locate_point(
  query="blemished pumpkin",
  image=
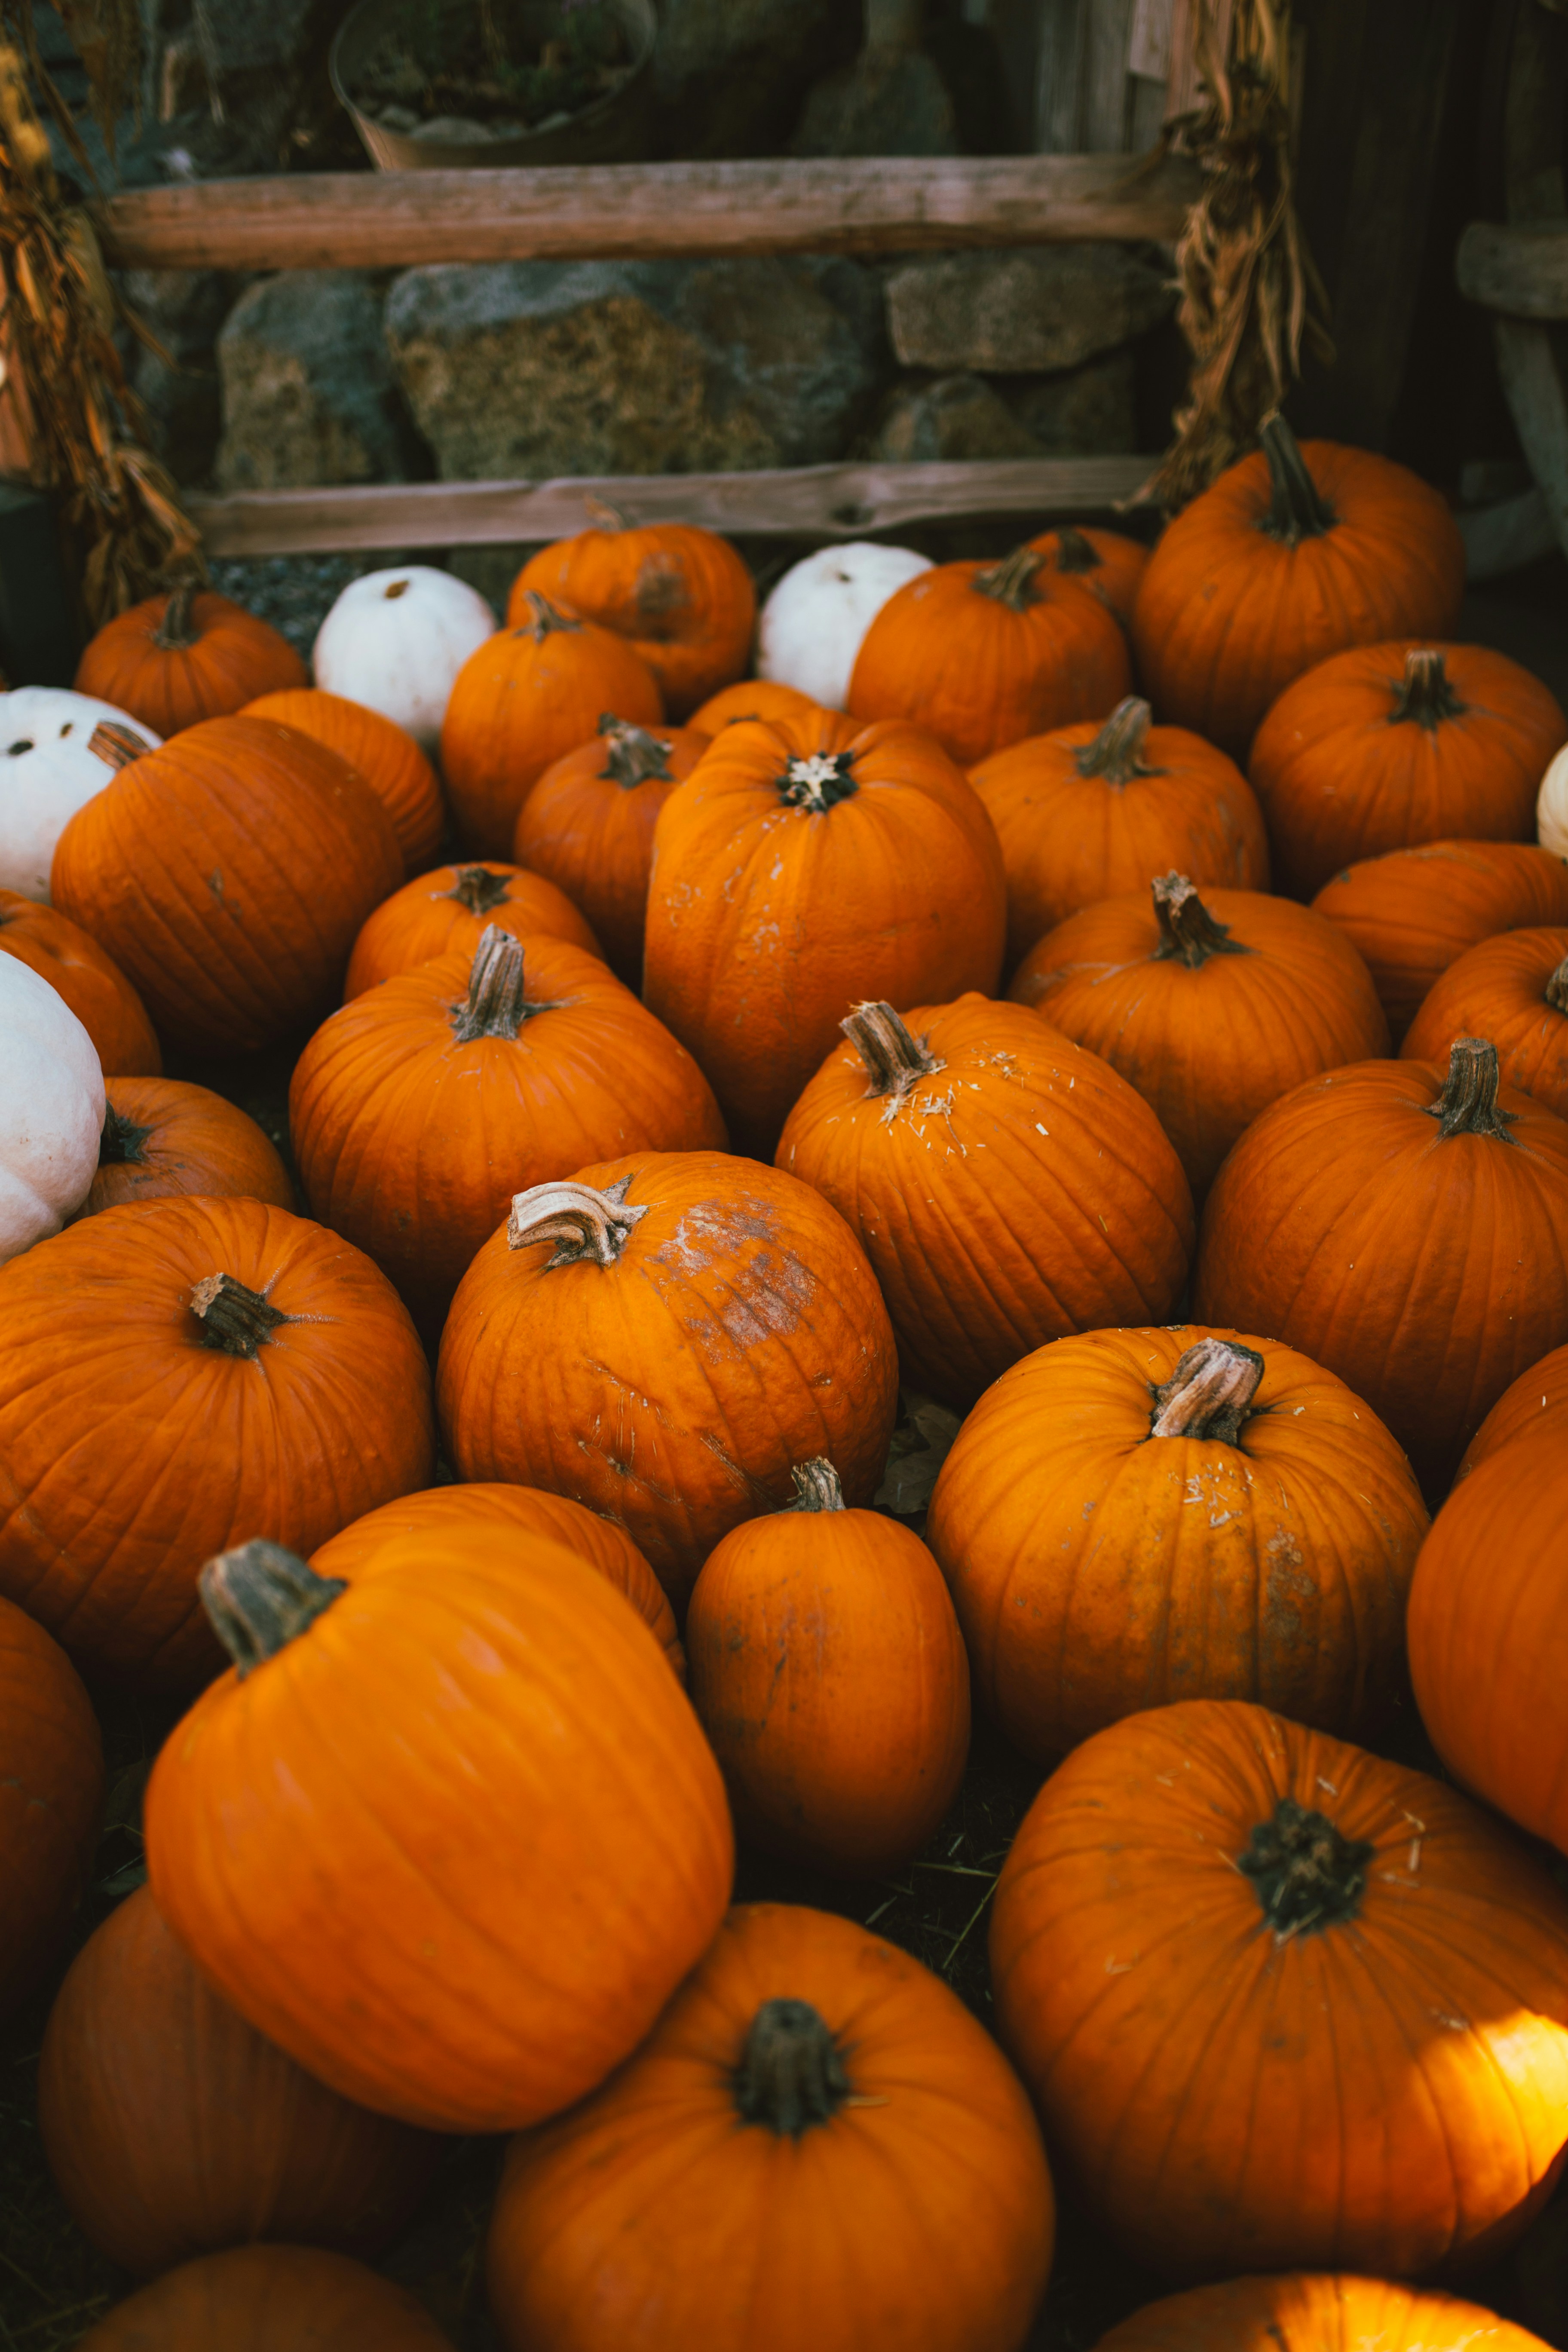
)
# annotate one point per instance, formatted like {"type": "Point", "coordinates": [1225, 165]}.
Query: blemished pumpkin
{"type": "Point", "coordinates": [1212, 1006]}
{"type": "Point", "coordinates": [395, 641]}
{"type": "Point", "coordinates": [806, 864]}
{"type": "Point", "coordinates": [56, 750]}
{"type": "Point", "coordinates": [527, 697]}
{"type": "Point", "coordinates": [227, 874]}
{"type": "Point", "coordinates": [421, 1107]}
{"type": "Point", "coordinates": [174, 2129]}
{"type": "Point", "coordinates": [1006, 1185]}
{"type": "Point", "coordinates": [176, 1374]}
{"type": "Point", "coordinates": [1406, 1225]}
{"type": "Point", "coordinates": [450, 909]}
{"type": "Point", "coordinates": [1092, 811]}
{"type": "Point", "coordinates": [163, 1136]}
{"type": "Point", "coordinates": [1130, 1518]}
{"type": "Point", "coordinates": [679, 593]}
{"type": "Point", "coordinates": [174, 659]}
{"type": "Point", "coordinates": [983, 655]}
{"type": "Point", "coordinates": [87, 980]}
{"type": "Point", "coordinates": [1298, 551]}
{"type": "Point", "coordinates": [1107, 562]}
{"type": "Point", "coordinates": [1536, 1405]}
{"type": "Point", "coordinates": [816, 619]}
{"type": "Point", "coordinates": [827, 1669]}
{"type": "Point", "coordinates": [51, 1795]}
{"type": "Point", "coordinates": [51, 1110]}
{"type": "Point", "coordinates": [1321, 2311]}
{"type": "Point", "coordinates": [1512, 987]}
{"type": "Point", "coordinates": [751, 698]}
{"type": "Point", "coordinates": [268, 2299]}
{"type": "Point", "coordinates": [861, 2160]}
{"type": "Point", "coordinates": [1384, 747]}
{"type": "Point", "coordinates": [385, 755]}
{"type": "Point", "coordinates": [1281, 2002]}
{"type": "Point", "coordinates": [663, 1339]}
{"type": "Point", "coordinates": [553, 1851]}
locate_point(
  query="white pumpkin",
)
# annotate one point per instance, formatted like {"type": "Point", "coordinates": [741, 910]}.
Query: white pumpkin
{"type": "Point", "coordinates": [812, 625]}
{"type": "Point", "coordinates": [396, 642]}
{"type": "Point", "coordinates": [51, 1109]}
{"type": "Point", "coordinates": [1552, 807]}
{"type": "Point", "coordinates": [48, 768]}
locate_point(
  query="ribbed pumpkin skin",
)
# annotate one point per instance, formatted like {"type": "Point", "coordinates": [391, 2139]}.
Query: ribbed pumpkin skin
{"type": "Point", "coordinates": [90, 981]}
{"type": "Point", "coordinates": [552, 1853]}
{"type": "Point", "coordinates": [1315, 2312]}
{"type": "Point", "coordinates": [1107, 562]}
{"type": "Point", "coordinates": [681, 594]}
{"type": "Point", "coordinates": [227, 874]}
{"type": "Point", "coordinates": [1208, 1049]}
{"type": "Point", "coordinates": [385, 755]}
{"type": "Point", "coordinates": [1535, 1405]}
{"type": "Point", "coordinates": [748, 698]}
{"type": "Point", "coordinates": [1386, 2093]}
{"type": "Point", "coordinates": [51, 1792]}
{"type": "Point", "coordinates": [1498, 989]}
{"type": "Point", "coordinates": [429, 918]}
{"type": "Point", "coordinates": [188, 1140]}
{"type": "Point", "coordinates": [766, 920]}
{"type": "Point", "coordinates": [1023, 1191]}
{"type": "Point", "coordinates": [129, 1452]}
{"type": "Point", "coordinates": [740, 1331]}
{"type": "Point", "coordinates": [1341, 776]}
{"type": "Point", "coordinates": [1097, 1569]}
{"type": "Point", "coordinates": [919, 2221]}
{"type": "Point", "coordinates": [235, 659]}
{"type": "Point", "coordinates": [268, 2299]}
{"type": "Point", "coordinates": [172, 2129]}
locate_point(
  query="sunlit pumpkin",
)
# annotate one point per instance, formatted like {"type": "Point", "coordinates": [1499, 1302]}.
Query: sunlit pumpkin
{"type": "Point", "coordinates": [88, 980]}
{"type": "Point", "coordinates": [174, 659]}
{"type": "Point", "coordinates": [681, 594]}
{"type": "Point", "coordinates": [1512, 987]}
{"type": "Point", "coordinates": [165, 1136]}
{"type": "Point", "coordinates": [1315, 2312]}
{"type": "Point", "coordinates": [450, 909]}
{"type": "Point", "coordinates": [385, 755]}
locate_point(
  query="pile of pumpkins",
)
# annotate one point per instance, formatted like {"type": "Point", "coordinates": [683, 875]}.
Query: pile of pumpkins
{"type": "Point", "coordinates": [675, 1122]}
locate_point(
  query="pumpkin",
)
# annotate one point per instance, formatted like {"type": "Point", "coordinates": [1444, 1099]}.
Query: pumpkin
{"type": "Point", "coordinates": [588, 825]}
{"type": "Point", "coordinates": [421, 1107]}
{"type": "Point", "coordinates": [1006, 1185]}
{"type": "Point", "coordinates": [51, 1793]}
{"type": "Point", "coordinates": [83, 977]}
{"type": "Point", "coordinates": [1407, 1226]}
{"type": "Point", "coordinates": [1132, 1517]}
{"type": "Point", "coordinates": [163, 1136]}
{"type": "Point", "coordinates": [228, 874]}
{"type": "Point", "coordinates": [1107, 562]}
{"type": "Point", "coordinates": [1090, 813]}
{"type": "Point", "coordinates": [751, 698]}
{"type": "Point", "coordinates": [136, 1437]}
{"type": "Point", "coordinates": [1412, 912]}
{"type": "Point", "coordinates": [450, 910]}
{"type": "Point", "coordinates": [861, 2169]}
{"type": "Point", "coordinates": [663, 1339]}
{"type": "Point", "coordinates": [527, 697]}
{"type": "Point", "coordinates": [51, 1109]}
{"type": "Point", "coordinates": [397, 640]}
{"type": "Point", "coordinates": [808, 863]}
{"type": "Point", "coordinates": [1537, 1402]}
{"type": "Point", "coordinates": [828, 1672]}
{"type": "Point", "coordinates": [681, 594]}
{"type": "Point", "coordinates": [983, 655]}
{"type": "Point", "coordinates": [385, 754]}
{"type": "Point", "coordinates": [56, 750]}
{"type": "Point", "coordinates": [1213, 1007]}
{"type": "Point", "coordinates": [1513, 989]}
{"type": "Point", "coordinates": [1326, 2312]}
{"type": "Point", "coordinates": [551, 1849]}
{"type": "Point", "coordinates": [268, 2299]}
{"type": "Point", "coordinates": [174, 659]}
{"type": "Point", "coordinates": [1296, 552]}
{"type": "Point", "coordinates": [1281, 2002]}
{"type": "Point", "coordinates": [173, 2129]}
{"type": "Point", "coordinates": [816, 619]}
{"type": "Point", "coordinates": [1552, 806]}
{"type": "Point", "coordinates": [1386, 747]}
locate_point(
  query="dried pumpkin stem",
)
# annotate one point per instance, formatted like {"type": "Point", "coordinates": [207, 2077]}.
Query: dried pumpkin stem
{"type": "Point", "coordinates": [1116, 754]}
{"type": "Point", "coordinates": [894, 1056]}
{"type": "Point", "coordinates": [477, 889]}
{"type": "Point", "coordinates": [635, 756]}
{"type": "Point", "coordinates": [603, 515]}
{"type": "Point", "coordinates": [820, 782]}
{"type": "Point", "coordinates": [1298, 509]}
{"type": "Point", "coordinates": [176, 633]}
{"type": "Point", "coordinates": [542, 617]}
{"type": "Point", "coordinates": [1012, 582]}
{"type": "Point", "coordinates": [497, 1005]}
{"type": "Point", "coordinates": [582, 1223]}
{"type": "Point", "coordinates": [1210, 1392]}
{"type": "Point", "coordinates": [259, 1597]}
{"type": "Point", "coordinates": [119, 1145]}
{"type": "Point", "coordinates": [817, 1486]}
{"type": "Point", "coordinates": [1424, 694]}
{"type": "Point", "coordinates": [791, 2074]}
{"type": "Point", "coordinates": [1076, 553]}
{"type": "Point", "coordinates": [1188, 932]}
{"type": "Point", "coordinates": [1557, 988]}
{"type": "Point", "coordinates": [234, 1320]}
{"type": "Point", "coordinates": [1308, 1875]}
{"type": "Point", "coordinates": [115, 745]}
{"type": "Point", "coordinates": [1468, 1104]}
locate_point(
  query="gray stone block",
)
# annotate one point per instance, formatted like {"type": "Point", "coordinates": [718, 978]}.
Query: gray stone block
{"type": "Point", "coordinates": [1031, 311]}
{"type": "Point", "coordinates": [308, 393]}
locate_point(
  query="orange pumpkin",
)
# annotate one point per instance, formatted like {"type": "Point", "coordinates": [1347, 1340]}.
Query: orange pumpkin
{"type": "Point", "coordinates": [1295, 553]}
{"type": "Point", "coordinates": [1212, 1007]}
{"type": "Point", "coordinates": [680, 594]}
{"type": "Point", "coordinates": [174, 659]}
{"type": "Point", "coordinates": [1006, 1185]}
{"type": "Point", "coordinates": [1386, 747]}
{"type": "Point", "coordinates": [90, 981]}
{"type": "Point", "coordinates": [1536, 1405]}
{"type": "Point", "coordinates": [864, 2168]}
{"type": "Point", "coordinates": [51, 1794]}
{"type": "Point", "coordinates": [749, 698]}
{"type": "Point", "coordinates": [163, 1136]}
{"type": "Point", "coordinates": [385, 754]}
{"type": "Point", "coordinates": [1090, 813]}
{"type": "Point", "coordinates": [806, 864]}
{"type": "Point", "coordinates": [1514, 989]}
{"type": "Point", "coordinates": [983, 655]}
{"type": "Point", "coordinates": [451, 909]}
{"type": "Point", "coordinates": [524, 698]}
{"type": "Point", "coordinates": [268, 2299]}
{"type": "Point", "coordinates": [1107, 562]}
{"type": "Point", "coordinates": [1323, 2313]}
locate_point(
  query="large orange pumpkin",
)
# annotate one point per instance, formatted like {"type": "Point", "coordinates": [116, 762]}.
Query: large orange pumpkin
{"type": "Point", "coordinates": [1512, 987]}
{"type": "Point", "coordinates": [680, 594]}
{"type": "Point", "coordinates": [1282, 2002]}
{"type": "Point", "coordinates": [550, 1850]}
{"type": "Point", "coordinates": [1535, 1405]}
{"type": "Point", "coordinates": [91, 983]}
{"type": "Point", "coordinates": [1295, 553]}
{"type": "Point", "coordinates": [1321, 2312]}
{"type": "Point", "coordinates": [663, 1339]}
{"type": "Point", "coordinates": [1386, 747]}
{"type": "Point", "coordinates": [172, 660]}
{"type": "Point", "coordinates": [452, 908]}
{"type": "Point", "coordinates": [51, 1792]}
{"type": "Point", "coordinates": [807, 864]}
{"type": "Point", "coordinates": [856, 2158]}
{"type": "Point", "coordinates": [1213, 1007]}
{"type": "Point", "coordinates": [1107, 562]}
{"type": "Point", "coordinates": [1091, 813]}
{"type": "Point", "coordinates": [749, 698]}
{"type": "Point", "coordinates": [163, 1136]}
{"type": "Point", "coordinates": [268, 2299]}
{"type": "Point", "coordinates": [1134, 1516]}
{"type": "Point", "coordinates": [177, 1375]}
{"type": "Point", "coordinates": [385, 754]}
{"type": "Point", "coordinates": [1006, 1185]}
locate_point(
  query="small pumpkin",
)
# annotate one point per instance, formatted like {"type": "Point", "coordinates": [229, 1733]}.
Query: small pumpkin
{"type": "Point", "coordinates": [681, 594]}
{"type": "Point", "coordinates": [816, 619]}
{"type": "Point", "coordinates": [1296, 552]}
{"type": "Point", "coordinates": [751, 698]}
{"type": "Point", "coordinates": [268, 2299]}
{"type": "Point", "coordinates": [174, 659]}
{"type": "Point", "coordinates": [1321, 2312]}
{"type": "Point", "coordinates": [163, 1136]}
{"type": "Point", "coordinates": [1535, 1405]}
{"type": "Point", "coordinates": [1513, 989]}
{"type": "Point", "coordinates": [449, 910]}
{"type": "Point", "coordinates": [51, 1110]}
{"type": "Point", "coordinates": [83, 977]}
{"type": "Point", "coordinates": [385, 755]}
{"type": "Point", "coordinates": [1107, 562]}
{"type": "Point", "coordinates": [51, 1795]}
{"type": "Point", "coordinates": [395, 641]}
{"type": "Point", "coordinates": [865, 2168]}
{"type": "Point", "coordinates": [57, 750]}
{"type": "Point", "coordinates": [1091, 811]}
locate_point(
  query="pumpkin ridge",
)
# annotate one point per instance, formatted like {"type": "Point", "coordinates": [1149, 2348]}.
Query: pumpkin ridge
{"type": "Point", "coordinates": [791, 2075]}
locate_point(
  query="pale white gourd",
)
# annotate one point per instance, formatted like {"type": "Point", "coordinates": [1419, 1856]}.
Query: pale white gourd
{"type": "Point", "coordinates": [396, 642]}
{"type": "Point", "coordinates": [1552, 807]}
{"type": "Point", "coordinates": [51, 1109]}
{"type": "Point", "coordinates": [48, 768]}
{"type": "Point", "coordinates": [812, 625]}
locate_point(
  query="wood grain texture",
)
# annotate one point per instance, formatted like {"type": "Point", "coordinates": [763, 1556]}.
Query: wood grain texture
{"type": "Point", "coordinates": [1520, 270]}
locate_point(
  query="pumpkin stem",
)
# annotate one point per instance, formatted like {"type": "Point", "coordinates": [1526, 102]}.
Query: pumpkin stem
{"type": "Point", "coordinates": [1116, 754]}
{"type": "Point", "coordinates": [1187, 930]}
{"type": "Point", "coordinates": [635, 757]}
{"type": "Point", "coordinates": [1557, 988]}
{"type": "Point", "coordinates": [234, 1320]}
{"type": "Point", "coordinates": [497, 1006]}
{"type": "Point", "coordinates": [258, 1596]}
{"type": "Point", "coordinates": [603, 515]}
{"type": "Point", "coordinates": [176, 633]}
{"type": "Point", "coordinates": [119, 1145]}
{"type": "Point", "coordinates": [115, 745]}
{"type": "Point", "coordinates": [1308, 1876]}
{"type": "Point", "coordinates": [542, 617]}
{"type": "Point", "coordinates": [818, 783]}
{"type": "Point", "coordinates": [1298, 510]}
{"type": "Point", "coordinates": [817, 1486]}
{"type": "Point", "coordinates": [582, 1224]}
{"type": "Point", "coordinates": [1012, 582]}
{"type": "Point", "coordinates": [1074, 552]}
{"type": "Point", "coordinates": [1210, 1392]}
{"type": "Point", "coordinates": [477, 889]}
{"type": "Point", "coordinates": [791, 2074]}
{"type": "Point", "coordinates": [894, 1058]}
{"type": "Point", "coordinates": [1468, 1104]}
{"type": "Point", "coordinates": [1424, 693]}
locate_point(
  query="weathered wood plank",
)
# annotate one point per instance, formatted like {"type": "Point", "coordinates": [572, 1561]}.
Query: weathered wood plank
{"type": "Point", "coordinates": [1520, 270]}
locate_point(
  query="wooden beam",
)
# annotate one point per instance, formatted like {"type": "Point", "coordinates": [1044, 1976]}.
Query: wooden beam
{"type": "Point", "coordinates": [1520, 270]}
